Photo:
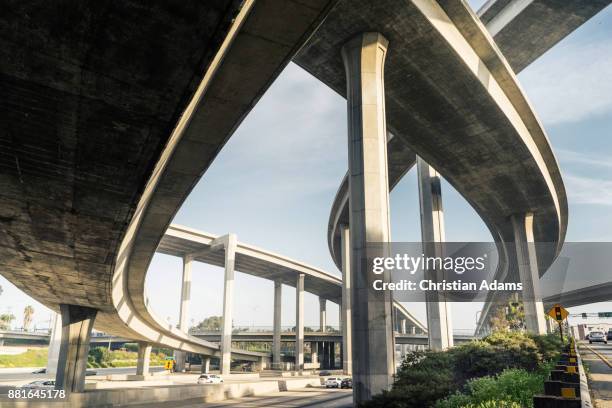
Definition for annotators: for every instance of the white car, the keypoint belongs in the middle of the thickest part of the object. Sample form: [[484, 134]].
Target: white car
[[333, 382], [40, 384], [210, 379], [597, 336]]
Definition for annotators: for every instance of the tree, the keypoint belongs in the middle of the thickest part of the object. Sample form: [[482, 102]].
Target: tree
[[5, 320], [28, 312], [509, 316], [210, 323]]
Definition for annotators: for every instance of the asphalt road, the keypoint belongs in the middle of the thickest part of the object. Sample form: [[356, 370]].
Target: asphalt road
[[308, 397], [600, 372]]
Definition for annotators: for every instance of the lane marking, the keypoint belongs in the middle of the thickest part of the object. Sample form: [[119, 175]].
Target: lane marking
[[601, 356]]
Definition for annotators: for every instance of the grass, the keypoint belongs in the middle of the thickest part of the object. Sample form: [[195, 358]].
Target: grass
[[32, 358]]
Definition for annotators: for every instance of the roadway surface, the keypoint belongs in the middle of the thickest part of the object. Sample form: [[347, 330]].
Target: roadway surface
[[307, 397], [600, 372]]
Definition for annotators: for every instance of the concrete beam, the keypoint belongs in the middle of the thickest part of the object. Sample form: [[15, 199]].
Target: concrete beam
[[276, 337], [228, 298], [77, 322], [345, 317], [55, 341], [373, 349], [522, 225], [144, 358], [299, 323], [322, 314], [439, 324]]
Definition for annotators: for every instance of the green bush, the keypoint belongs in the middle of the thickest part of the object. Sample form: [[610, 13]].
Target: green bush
[[513, 387], [426, 377]]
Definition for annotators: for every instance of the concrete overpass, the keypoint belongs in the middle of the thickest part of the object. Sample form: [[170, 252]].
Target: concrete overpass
[[103, 116], [82, 217], [523, 30]]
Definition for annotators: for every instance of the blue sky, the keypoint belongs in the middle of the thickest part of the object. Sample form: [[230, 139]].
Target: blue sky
[[275, 180]]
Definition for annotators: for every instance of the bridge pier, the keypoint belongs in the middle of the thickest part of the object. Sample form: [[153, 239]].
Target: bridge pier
[[373, 349], [55, 341], [527, 263], [228, 297], [144, 359], [276, 339], [439, 319], [299, 323], [77, 322], [205, 365], [322, 315], [345, 312], [184, 310]]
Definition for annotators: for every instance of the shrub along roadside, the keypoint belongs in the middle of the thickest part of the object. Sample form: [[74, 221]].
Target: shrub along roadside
[[427, 377], [101, 357]]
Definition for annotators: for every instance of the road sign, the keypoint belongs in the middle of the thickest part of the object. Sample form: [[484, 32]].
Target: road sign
[[558, 313], [168, 365]]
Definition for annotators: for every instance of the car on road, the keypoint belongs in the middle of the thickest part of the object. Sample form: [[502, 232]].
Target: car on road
[[210, 379], [597, 337], [40, 384], [346, 383], [333, 382], [324, 373], [610, 334], [40, 371]]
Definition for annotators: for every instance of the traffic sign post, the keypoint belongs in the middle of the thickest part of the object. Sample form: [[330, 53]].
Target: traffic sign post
[[559, 313]]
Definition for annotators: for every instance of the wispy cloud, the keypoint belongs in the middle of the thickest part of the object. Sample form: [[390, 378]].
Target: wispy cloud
[[572, 81], [568, 156], [585, 190]]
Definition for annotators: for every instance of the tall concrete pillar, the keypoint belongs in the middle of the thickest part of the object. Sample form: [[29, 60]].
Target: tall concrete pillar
[[205, 365], [314, 352], [372, 348], [413, 330], [439, 324], [77, 322], [527, 263], [276, 339], [345, 312], [299, 323], [322, 315], [55, 341], [228, 296], [403, 326], [144, 359], [183, 325], [332, 355]]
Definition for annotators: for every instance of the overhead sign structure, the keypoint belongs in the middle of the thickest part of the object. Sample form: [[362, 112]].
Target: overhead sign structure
[[558, 313]]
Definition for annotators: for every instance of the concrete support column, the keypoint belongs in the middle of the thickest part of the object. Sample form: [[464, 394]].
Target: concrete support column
[[276, 339], [373, 342], [314, 352], [403, 326], [228, 296], [183, 324], [322, 315], [345, 312], [299, 323], [54, 345], [332, 355], [144, 358], [439, 324], [528, 271], [413, 330], [205, 365], [77, 322]]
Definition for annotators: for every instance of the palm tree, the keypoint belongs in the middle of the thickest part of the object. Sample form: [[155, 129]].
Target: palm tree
[[28, 312], [5, 320]]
